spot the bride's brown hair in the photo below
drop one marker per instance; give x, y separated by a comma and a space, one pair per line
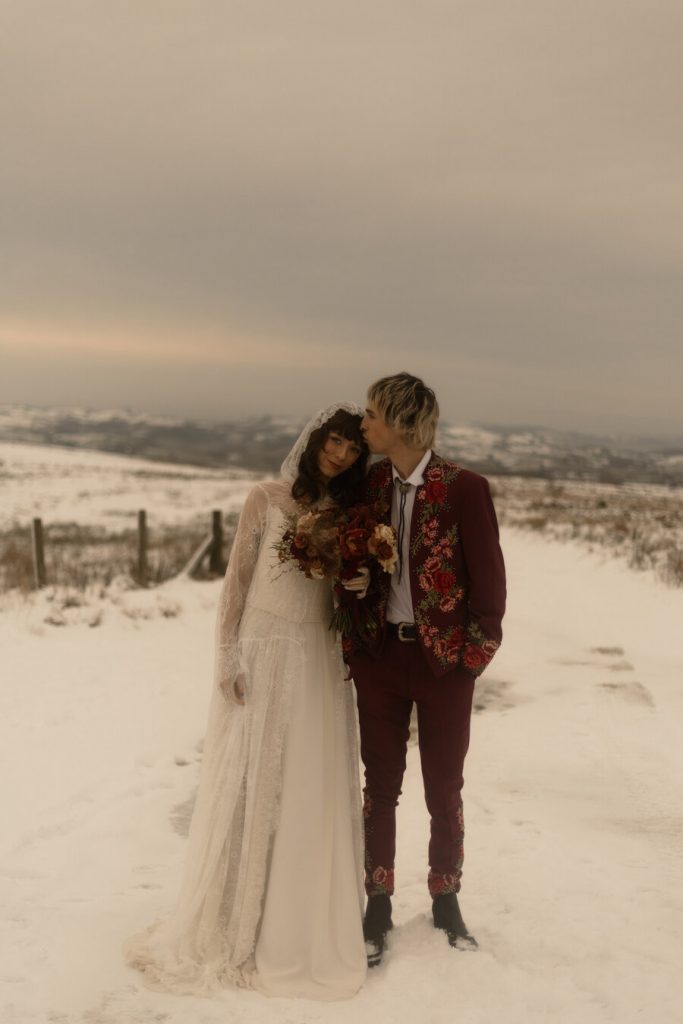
310, 485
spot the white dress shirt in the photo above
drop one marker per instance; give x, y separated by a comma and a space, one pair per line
400, 606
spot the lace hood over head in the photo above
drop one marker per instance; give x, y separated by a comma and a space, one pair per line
290, 467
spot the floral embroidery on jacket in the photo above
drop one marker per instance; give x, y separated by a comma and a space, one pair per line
448, 636
479, 649
433, 554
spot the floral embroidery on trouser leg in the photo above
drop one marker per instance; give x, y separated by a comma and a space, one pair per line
379, 882
441, 882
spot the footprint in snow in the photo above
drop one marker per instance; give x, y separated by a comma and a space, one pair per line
492, 694
631, 691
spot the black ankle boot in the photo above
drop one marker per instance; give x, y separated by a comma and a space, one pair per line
376, 924
447, 916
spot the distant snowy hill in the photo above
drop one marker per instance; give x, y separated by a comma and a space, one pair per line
260, 443
560, 455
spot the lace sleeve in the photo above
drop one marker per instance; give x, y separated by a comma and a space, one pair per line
235, 587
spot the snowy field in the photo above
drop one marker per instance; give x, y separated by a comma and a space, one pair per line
101, 489
89, 501
574, 793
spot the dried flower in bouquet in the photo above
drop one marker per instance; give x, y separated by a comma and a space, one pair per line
335, 544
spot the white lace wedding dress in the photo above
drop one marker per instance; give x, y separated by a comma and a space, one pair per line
272, 896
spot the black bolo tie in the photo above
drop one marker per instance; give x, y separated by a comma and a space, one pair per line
404, 488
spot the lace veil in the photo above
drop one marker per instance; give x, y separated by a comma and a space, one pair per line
290, 467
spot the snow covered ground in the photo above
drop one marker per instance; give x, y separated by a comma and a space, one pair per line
87, 499
574, 798
100, 489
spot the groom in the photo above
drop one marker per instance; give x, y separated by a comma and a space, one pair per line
436, 625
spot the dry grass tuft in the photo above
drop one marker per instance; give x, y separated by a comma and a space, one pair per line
638, 522
78, 556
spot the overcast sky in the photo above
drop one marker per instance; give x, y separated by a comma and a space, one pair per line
219, 208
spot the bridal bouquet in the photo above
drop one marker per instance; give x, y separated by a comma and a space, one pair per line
335, 544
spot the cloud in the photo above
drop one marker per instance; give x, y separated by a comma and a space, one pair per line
489, 185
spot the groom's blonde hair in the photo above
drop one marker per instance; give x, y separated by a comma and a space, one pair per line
407, 405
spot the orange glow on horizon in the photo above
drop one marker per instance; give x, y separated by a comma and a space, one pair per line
106, 342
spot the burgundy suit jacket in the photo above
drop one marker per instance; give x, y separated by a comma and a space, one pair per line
457, 573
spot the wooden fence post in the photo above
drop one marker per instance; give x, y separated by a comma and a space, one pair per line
38, 554
142, 547
216, 553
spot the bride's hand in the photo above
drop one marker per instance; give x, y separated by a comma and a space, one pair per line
233, 690
359, 584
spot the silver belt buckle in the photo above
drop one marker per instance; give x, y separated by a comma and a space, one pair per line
402, 638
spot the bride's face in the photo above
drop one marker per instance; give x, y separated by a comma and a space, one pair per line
337, 455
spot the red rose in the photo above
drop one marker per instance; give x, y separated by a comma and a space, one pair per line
432, 564
431, 531
443, 582
435, 492
440, 648
434, 473
439, 884
455, 643
353, 544
426, 582
447, 604
474, 658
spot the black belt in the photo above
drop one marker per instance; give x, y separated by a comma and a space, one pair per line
404, 631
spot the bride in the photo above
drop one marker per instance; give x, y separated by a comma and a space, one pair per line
272, 896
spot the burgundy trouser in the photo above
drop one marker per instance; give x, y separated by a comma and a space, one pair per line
386, 690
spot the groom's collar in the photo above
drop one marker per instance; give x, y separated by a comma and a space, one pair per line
417, 476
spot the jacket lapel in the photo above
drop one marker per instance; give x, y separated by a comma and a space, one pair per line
419, 509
